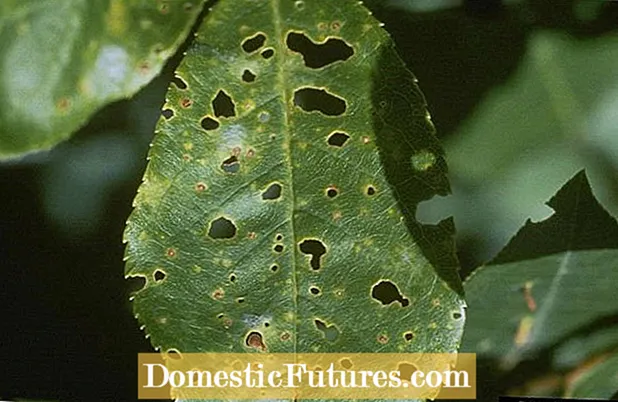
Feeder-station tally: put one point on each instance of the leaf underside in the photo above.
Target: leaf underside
(555, 279)
(61, 60)
(277, 208)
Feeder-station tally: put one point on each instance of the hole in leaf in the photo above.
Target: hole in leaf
(332, 192)
(408, 336)
(330, 331)
(268, 53)
(222, 228)
(406, 370)
(267, 324)
(300, 5)
(314, 290)
(223, 105)
(272, 192)
(310, 99)
(136, 283)
(179, 82)
(278, 248)
(208, 123)
(248, 76)
(317, 55)
(231, 165)
(386, 292)
(316, 249)
(253, 43)
(371, 190)
(457, 315)
(240, 300)
(254, 340)
(159, 275)
(338, 139)
(279, 237)
(274, 267)
(167, 113)
(233, 278)
(174, 354)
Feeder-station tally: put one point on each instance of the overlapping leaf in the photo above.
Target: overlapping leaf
(553, 117)
(555, 278)
(61, 60)
(277, 209)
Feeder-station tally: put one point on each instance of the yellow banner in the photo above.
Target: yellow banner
(306, 376)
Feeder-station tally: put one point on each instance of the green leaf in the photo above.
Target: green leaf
(64, 59)
(599, 381)
(277, 209)
(531, 295)
(584, 346)
(557, 114)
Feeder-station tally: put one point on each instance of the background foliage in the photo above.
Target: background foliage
(523, 95)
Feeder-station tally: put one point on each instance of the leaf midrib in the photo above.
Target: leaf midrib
(281, 88)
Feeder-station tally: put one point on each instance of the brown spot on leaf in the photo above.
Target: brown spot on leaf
(63, 105)
(218, 294)
(527, 290)
(186, 103)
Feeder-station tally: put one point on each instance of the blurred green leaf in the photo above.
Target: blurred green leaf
(584, 346)
(553, 278)
(64, 59)
(277, 207)
(599, 381)
(556, 115)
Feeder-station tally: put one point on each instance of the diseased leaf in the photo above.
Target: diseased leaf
(554, 278)
(598, 381)
(278, 203)
(63, 59)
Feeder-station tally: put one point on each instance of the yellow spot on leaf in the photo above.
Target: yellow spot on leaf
(423, 160)
(523, 331)
(151, 191)
(116, 18)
